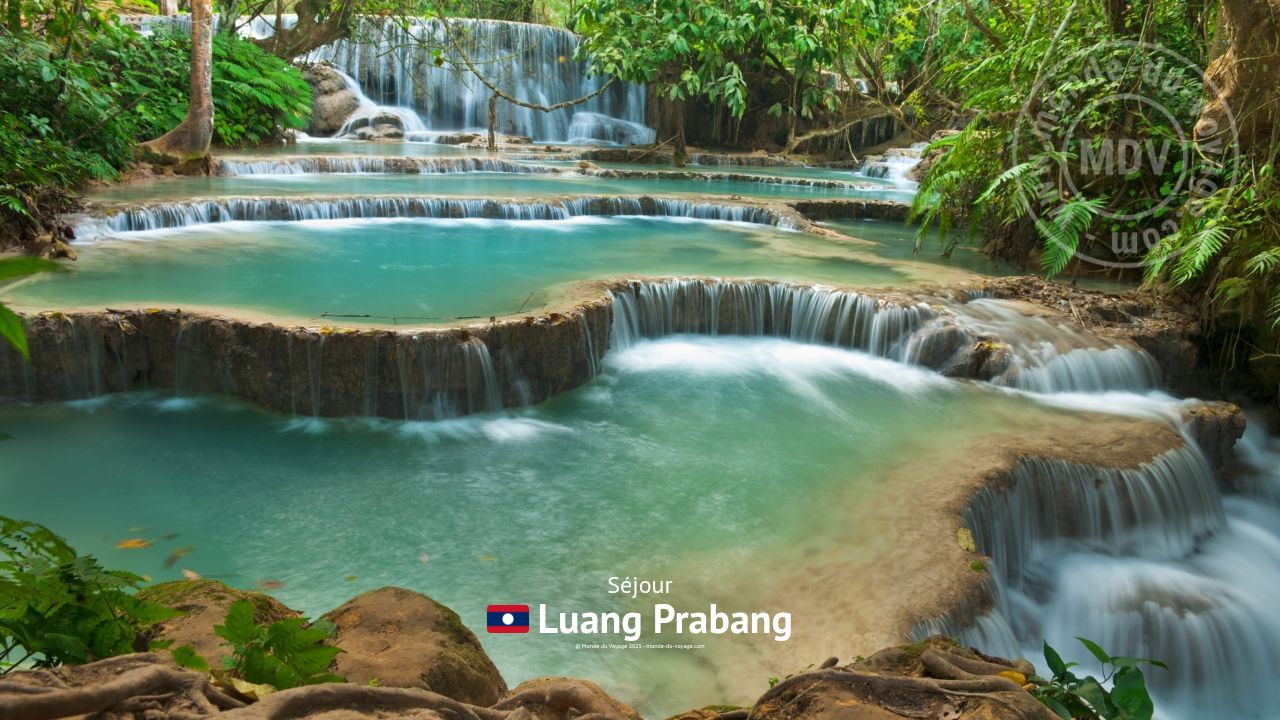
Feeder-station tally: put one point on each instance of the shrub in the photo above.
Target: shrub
(59, 607)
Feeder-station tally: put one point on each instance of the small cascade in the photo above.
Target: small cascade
(483, 393)
(156, 216)
(395, 64)
(804, 313)
(893, 166)
(310, 165)
(1045, 356)
(363, 122)
(589, 127)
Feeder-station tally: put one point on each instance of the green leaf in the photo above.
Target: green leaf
(13, 330)
(1130, 696)
(1054, 660)
(1095, 649)
(187, 657)
(239, 628)
(1057, 707)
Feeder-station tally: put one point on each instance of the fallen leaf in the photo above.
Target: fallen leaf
(352, 578)
(169, 536)
(424, 559)
(488, 558)
(133, 544)
(270, 584)
(177, 555)
(252, 691)
(190, 574)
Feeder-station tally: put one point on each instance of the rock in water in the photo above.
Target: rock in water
(406, 639)
(332, 102)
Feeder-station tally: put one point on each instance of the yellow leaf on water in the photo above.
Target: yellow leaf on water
(964, 539)
(424, 558)
(488, 558)
(352, 578)
(133, 544)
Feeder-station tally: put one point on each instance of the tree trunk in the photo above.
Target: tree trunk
(168, 7)
(1246, 75)
(680, 155)
(190, 140)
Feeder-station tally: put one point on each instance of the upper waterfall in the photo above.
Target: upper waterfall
(418, 64)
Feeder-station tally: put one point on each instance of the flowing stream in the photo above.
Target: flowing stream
(731, 432)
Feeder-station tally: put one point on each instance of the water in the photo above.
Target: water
(416, 268)
(394, 64)
(694, 459)
(468, 184)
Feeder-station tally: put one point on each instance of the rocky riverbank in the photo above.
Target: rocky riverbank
(405, 655)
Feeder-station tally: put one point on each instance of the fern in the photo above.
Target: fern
(1062, 231)
(287, 653)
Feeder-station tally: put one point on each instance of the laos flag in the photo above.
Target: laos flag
(508, 618)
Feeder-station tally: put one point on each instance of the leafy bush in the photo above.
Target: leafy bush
(72, 110)
(59, 607)
(1076, 698)
(255, 94)
(285, 654)
(59, 128)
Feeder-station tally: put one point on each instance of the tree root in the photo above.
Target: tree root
(130, 680)
(314, 699)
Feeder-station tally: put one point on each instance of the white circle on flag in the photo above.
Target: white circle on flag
(508, 618)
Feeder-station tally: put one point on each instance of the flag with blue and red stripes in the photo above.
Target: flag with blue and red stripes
(508, 618)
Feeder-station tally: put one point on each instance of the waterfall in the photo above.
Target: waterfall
(368, 112)
(306, 165)
(396, 64)
(1047, 356)
(803, 313)
(893, 166)
(155, 216)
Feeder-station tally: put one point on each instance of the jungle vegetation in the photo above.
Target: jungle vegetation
(80, 91)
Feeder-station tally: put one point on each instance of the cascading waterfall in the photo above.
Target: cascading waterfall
(1150, 562)
(804, 313)
(155, 216)
(1046, 356)
(308, 165)
(893, 166)
(395, 64)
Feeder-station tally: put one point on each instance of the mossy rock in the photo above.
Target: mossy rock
(401, 638)
(203, 604)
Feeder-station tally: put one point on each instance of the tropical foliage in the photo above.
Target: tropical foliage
(60, 607)
(77, 93)
(287, 653)
(1120, 694)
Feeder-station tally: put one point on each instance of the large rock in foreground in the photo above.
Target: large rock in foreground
(405, 639)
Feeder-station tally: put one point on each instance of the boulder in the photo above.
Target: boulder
(332, 100)
(407, 640)
(1215, 426)
(559, 698)
(379, 126)
(203, 604)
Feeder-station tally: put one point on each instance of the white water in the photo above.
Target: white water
(893, 166)
(157, 216)
(1156, 562)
